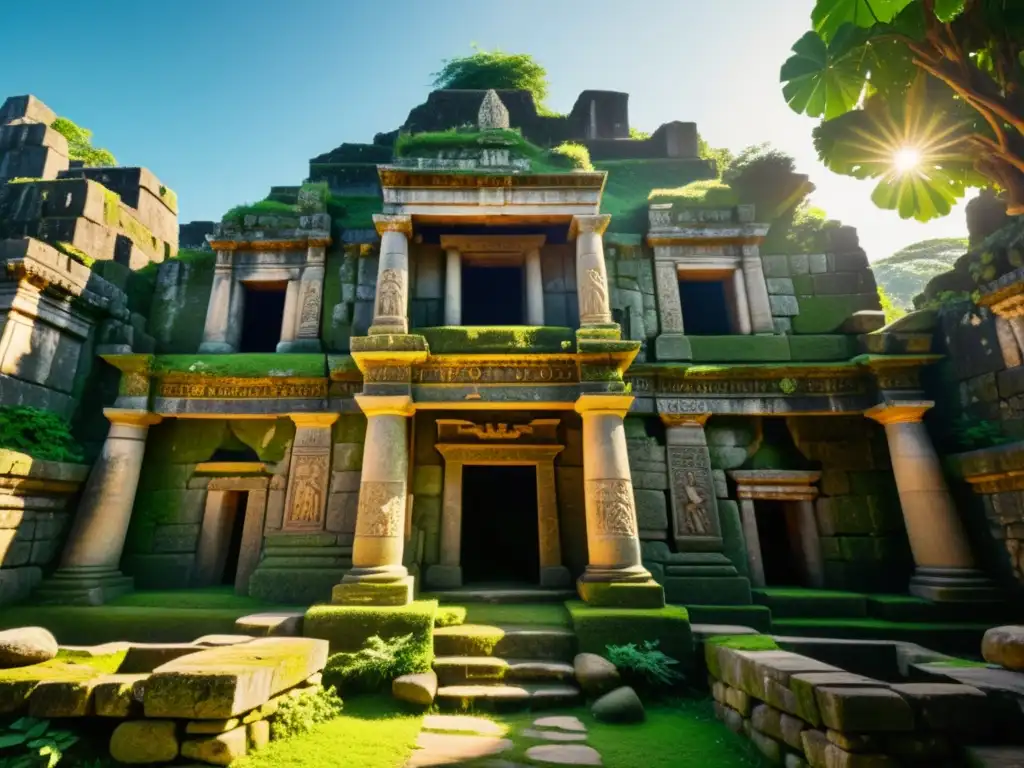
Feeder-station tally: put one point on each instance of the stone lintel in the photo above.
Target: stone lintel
(131, 363)
(298, 243)
(389, 222)
(594, 223)
(470, 244)
(386, 405)
(594, 403)
(712, 234)
(779, 484)
(899, 412)
(538, 430)
(131, 417)
(684, 419)
(313, 419)
(231, 467)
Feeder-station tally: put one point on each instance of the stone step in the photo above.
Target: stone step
(508, 642)
(460, 670)
(502, 595)
(507, 697)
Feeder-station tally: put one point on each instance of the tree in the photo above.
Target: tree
(923, 95)
(722, 156)
(483, 70)
(80, 144)
(767, 178)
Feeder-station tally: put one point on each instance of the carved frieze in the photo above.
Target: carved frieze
(614, 508)
(538, 430)
(307, 490)
(669, 303)
(692, 490)
(381, 509)
(838, 385)
(396, 177)
(387, 373)
(235, 388)
(507, 371)
(309, 317)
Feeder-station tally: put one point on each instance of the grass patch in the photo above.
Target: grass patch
(252, 365)
(805, 592)
(206, 598)
(372, 732)
(498, 339)
(354, 212)
(630, 182)
(960, 663)
(744, 642)
(261, 208)
(597, 628)
(511, 614)
(706, 193)
(450, 616)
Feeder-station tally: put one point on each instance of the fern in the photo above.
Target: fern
(645, 665)
(376, 664)
(39, 433)
(297, 715)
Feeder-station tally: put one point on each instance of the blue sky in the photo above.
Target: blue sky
(224, 98)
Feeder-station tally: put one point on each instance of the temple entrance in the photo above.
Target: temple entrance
(220, 539)
(262, 316)
(492, 295)
(499, 524)
(705, 307)
(779, 536)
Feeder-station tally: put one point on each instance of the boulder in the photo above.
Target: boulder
(26, 645)
(222, 749)
(1001, 645)
(620, 706)
(417, 689)
(595, 674)
(138, 742)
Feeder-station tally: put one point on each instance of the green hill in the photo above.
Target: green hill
(904, 274)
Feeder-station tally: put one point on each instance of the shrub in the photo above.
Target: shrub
(376, 664)
(297, 715)
(645, 666)
(495, 69)
(41, 434)
(766, 177)
(80, 144)
(573, 155)
(450, 616)
(708, 193)
(30, 743)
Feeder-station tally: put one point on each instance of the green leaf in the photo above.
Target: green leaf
(829, 16)
(947, 10)
(23, 723)
(12, 740)
(817, 82)
(38, 729)
(923, 196)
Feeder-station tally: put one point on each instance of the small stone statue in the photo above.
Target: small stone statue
(493, 114)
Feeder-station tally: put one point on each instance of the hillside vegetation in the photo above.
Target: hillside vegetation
(904, 274)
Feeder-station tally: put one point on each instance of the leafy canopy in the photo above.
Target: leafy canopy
(482, 70)
(80, 144)
(922, 95)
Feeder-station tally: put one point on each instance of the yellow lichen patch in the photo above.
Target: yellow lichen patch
(16, 685)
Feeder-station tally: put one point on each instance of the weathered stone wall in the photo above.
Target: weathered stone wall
(29, 148)
(426, 282)
(558, 271)
(631, 277)
(180, 300)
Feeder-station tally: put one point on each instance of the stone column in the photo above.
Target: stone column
(309, 474)
(89, 571)
(613, 541)
(760, 309)
(391, 305)
(447, 574)
(671, 344)
(453, 288)
(810, 543)
(378, 576)
(1008, 342)
(215, 332)
(236, 316)
(310, 299)
(290, 316)
(591, 272)
(945, 568)
(552, 573)
(534, 288)
(739, 289)
(695, 523)
(752, 539)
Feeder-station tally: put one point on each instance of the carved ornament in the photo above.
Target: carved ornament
(693, 491)
(297, 244)
(381, 509)
(503, 370)
(387, 222)
(237, 388)
(614, 509)
(539, 430)
(589, 224)
(393, 178)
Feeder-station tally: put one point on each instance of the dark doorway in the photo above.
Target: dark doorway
(499, 525)
(262, 316)
(781, 558)
(234, 542)
(492, 295)
(705, 308)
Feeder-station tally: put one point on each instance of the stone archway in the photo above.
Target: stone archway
(448, 573)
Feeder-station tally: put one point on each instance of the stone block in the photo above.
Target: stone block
(782, 286)
(822, 347)
(119, 695)
(428, 480)
(62, 698)
(775, 266)
(798, 264)
(556, 310)
(651, 509)
(228, 681)
(221, 749)
(168, 539)
(766, 745)
(656, 481)
(178, 506)
(341, 512)
(824, 314)
(784, 306)
(713, 590)
(673, 346)
(866, 710)
(347, 456)
(27, 108)
(835, 757)
(429, 274)
(259, 734)
(346, 481)
(835, 482)
(275, 511)
(948, 708)
(16, 584)
(739, 348)
(140, 742)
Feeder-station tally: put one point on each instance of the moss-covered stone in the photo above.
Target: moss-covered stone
(824, 314)
(119, 695)
(597, 627)
(350, 428)
(222, 749)
(269, 439)
(498, 339)
(347, 628)
(622, 594)
(141, 742)
(765, 349)
(822, 347)
(16, 685)
(249, 365)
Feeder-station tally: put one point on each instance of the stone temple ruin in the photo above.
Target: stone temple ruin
(453, 363)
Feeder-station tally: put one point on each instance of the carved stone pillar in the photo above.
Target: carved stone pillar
(89, 571)
(945, 568)
(215, 332)
(378, 576)
(310, 301)
(1007, 343)
(453, 288)
(591, 272)
(290, 316)
(613, 541)
(534, 288)
(390, 309)
(695, 524)
(236, 315)
(757, 291)
(309, 475)
(739, 289)
(671, 343)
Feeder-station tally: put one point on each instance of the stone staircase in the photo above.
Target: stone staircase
(482, 666)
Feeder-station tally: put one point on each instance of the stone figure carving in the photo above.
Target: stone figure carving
(389, 294)
(308, 501)
(493, 114)
(595, 295)
(381, 509)
(696, 519)
(615, 513)
(310, 306)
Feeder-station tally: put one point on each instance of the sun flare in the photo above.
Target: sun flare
(906, 159)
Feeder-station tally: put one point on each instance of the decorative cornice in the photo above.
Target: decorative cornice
(192, 386)
(392, 178)
(691, 238)
(589, 224)
(131, 417)
(389, 222)
(386, 405)
(313, 419)
(684, 419)
(297, 244)
(594, 404)
(909, 412)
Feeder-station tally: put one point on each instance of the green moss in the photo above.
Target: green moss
(577, 155)
(744, 642)
(262, 208)
(515, 614)
(706, 193)
(565, 157)
(498, 339)
(108, 663)
(75, 253)
(184, 441)
(450, 616)
(622, 595)
(169, 197)
(958, 663)
(253, 365)
(597, 628)
(347, 627)
(268, 438)
(630, 182)
(38, 433)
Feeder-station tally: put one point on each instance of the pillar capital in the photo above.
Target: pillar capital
(313, 419)
(386, 405)
(131, 417)
(899, 412)
(616, 404)
(389, 222)
(589, 223)
(684, 419)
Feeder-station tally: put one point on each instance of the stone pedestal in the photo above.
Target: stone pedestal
(945, 568)
(534, 289)
(614, 574)
(391, 305)
(453, 287)
(378, 576)
(591, 272)
(89, 571)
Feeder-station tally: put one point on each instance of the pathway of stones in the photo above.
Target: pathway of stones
(464, 740)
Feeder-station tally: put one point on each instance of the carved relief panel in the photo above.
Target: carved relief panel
(309, 479)
(694, 509)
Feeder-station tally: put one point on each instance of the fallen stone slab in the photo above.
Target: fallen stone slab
(225, 682)
(564, 754)
(222, 749)
(119, 695)
(145, 657)
(863, 710)
(462, 724)
(419, 689)
(1004, 646)
(948, 707)
(17, 685)
(272, 624)
(63, 698)
(141, 742)
(564, 722)
(25, 646)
